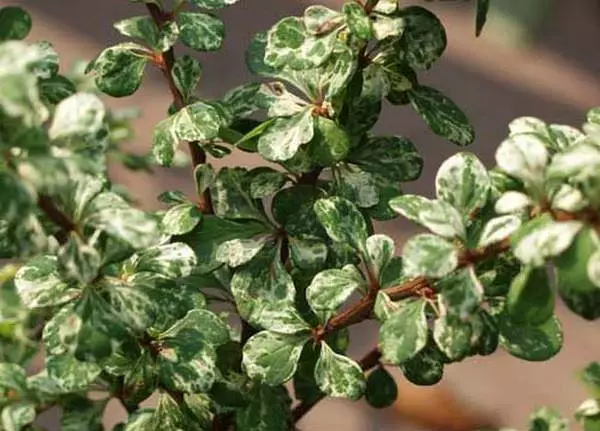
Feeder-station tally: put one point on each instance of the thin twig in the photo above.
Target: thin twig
(66, 225)
(166, 62)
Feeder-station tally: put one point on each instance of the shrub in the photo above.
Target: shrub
(122, 301)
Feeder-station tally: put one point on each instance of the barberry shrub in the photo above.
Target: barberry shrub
(227, 303)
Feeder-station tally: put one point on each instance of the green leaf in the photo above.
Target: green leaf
(531, 343)
(442, 115)
(482, 12)
(144, 28)
(16, 416)
(213, 231)
(530, 299)
(393, 157)
(424, 37)
(525, 157)
(268, 410)
(429, 255)
(464, 183)
(358, 187)
(198, 122)
(339, 376)
(79, 115)
(590, 375)
(453, 337)
(319, 19)
(213, 4)
(404, 333)
(40, 284)
(358, 21)
(381, 390)
(436, 215)
(173, 260)
(200, 31)
(70, 374)
(246, 99)
(82, 413)
(283, 137)
(20, 98)
(307, 253)
(231, 195)
(331, 143)
(266, 182)
(237, 252)
(426, 367)
(181, 219)
(380, 251)
(80, 261)
(164, 141)
(385, 27)
(498, 229)
(547, 419)
(118, 70)
(289, 44)
(329, 289)
(461, 293)
(575, 286)
(272, 358)
(186, 74)
(342, 221)
(187, 358)
(588, 415)
(56, 88)
(542, 238)
(13, 378)
(384, 306)
(15, 23)
(112, 214)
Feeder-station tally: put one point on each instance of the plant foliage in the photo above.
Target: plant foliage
(124, 301)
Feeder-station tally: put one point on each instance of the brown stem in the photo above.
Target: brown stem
(166, 60)
(370, 360)
(48, 207)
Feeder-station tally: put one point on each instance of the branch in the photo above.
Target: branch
(46, 204)
(370, 360)
(166, 60)
(363, 309)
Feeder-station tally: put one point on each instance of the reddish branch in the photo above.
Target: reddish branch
(165, 61)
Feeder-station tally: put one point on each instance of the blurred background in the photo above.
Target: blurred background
(536, 57)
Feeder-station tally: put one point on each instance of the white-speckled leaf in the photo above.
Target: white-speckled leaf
(380, 250)
(384, 306)
(200, 31)
(525, 157)
(339, 376)
(237, 252)
(16, 416)
(39, 283)
(438, 216)
(120, 68)
(342, 221)
(464, 183)
(404, 332)
(289, 44)
(442, 115)
(77, 115)
(319, 19)
(498, 229)
(429, 255)
(511, 202)
(273, 358)
(181, 219)
(170, 260)
(539, 240)
(283, 138)
(329, 289)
